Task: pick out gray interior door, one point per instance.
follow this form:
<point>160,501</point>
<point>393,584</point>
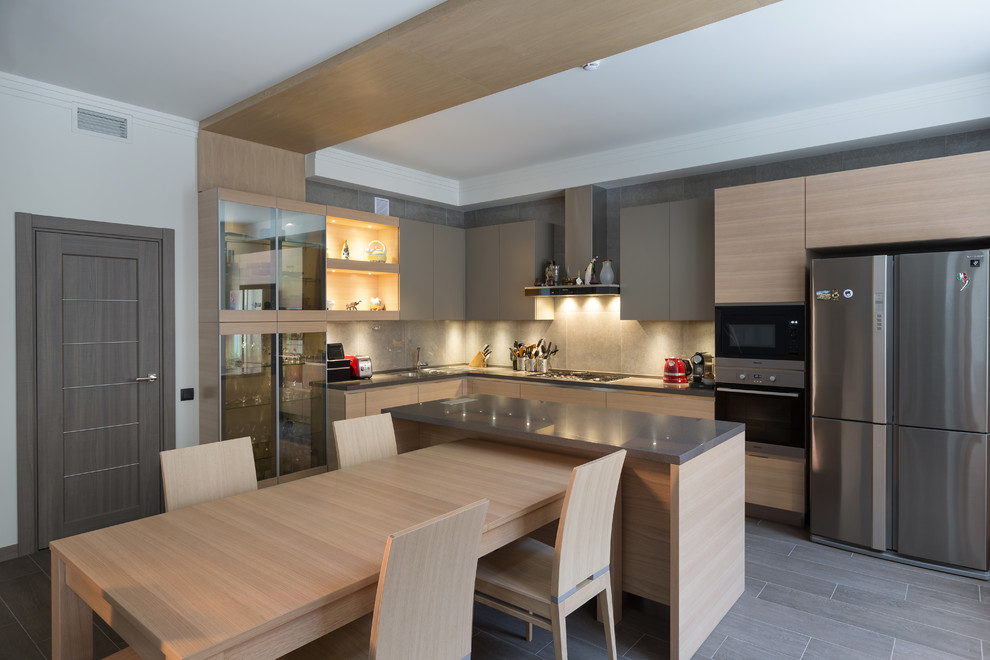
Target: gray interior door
<point>98,307</point>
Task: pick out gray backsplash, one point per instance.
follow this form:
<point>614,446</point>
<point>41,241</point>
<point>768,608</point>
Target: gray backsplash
<point>587,330</point>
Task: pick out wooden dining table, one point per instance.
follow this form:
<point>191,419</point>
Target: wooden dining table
<point>259,574</point>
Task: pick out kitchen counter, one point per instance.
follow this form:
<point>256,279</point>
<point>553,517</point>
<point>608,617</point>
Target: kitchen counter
<point>632,383</point>
<point>680,532</point>
<point>647,436</point>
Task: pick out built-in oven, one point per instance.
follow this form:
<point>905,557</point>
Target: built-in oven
<point>768,399</point>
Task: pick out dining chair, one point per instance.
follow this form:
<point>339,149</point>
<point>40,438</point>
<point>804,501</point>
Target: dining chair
<point>424,606</point>
<point>363,439</point>
<point>541,584</point>
<point>207,472</point>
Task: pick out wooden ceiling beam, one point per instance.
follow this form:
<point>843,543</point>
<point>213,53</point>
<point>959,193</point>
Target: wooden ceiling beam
<point>456,52</point>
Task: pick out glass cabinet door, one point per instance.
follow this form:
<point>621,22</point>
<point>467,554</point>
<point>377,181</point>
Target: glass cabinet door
<point>302,262</point>
<point>302,409</point>
<point>247,245</point>
<point>246,396</point>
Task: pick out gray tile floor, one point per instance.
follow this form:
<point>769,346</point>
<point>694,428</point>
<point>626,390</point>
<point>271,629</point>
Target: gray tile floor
<point>802,600</point>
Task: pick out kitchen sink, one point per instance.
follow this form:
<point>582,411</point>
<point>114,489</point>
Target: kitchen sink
<point>439,371</point>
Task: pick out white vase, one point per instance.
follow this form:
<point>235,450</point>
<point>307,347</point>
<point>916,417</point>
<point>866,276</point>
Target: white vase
<point>607,276</point>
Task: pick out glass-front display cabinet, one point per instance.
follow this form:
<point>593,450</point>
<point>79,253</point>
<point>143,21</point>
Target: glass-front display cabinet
<point>280,402</point>
<point>302,244</point>
<point>248,248</point>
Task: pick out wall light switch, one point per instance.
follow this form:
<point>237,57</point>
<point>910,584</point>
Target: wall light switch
<point>186,394</point>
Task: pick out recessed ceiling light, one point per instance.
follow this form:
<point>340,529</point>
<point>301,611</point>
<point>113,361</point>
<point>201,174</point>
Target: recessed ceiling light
<point>592,66</point>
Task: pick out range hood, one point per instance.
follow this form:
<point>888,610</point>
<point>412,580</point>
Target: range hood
<point>585,237</point>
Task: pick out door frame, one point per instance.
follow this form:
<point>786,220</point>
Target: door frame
<point>26,228</point>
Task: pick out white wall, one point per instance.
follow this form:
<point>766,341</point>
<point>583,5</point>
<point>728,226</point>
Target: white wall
<point>47,168</point>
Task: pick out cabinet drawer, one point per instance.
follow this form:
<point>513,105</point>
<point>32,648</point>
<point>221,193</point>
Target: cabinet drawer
<point>441,390</point>
<point>775,481</point>
<point>663,404</point>
<point>493,387</point>
<point>386,397</point>
<point>576,395</point>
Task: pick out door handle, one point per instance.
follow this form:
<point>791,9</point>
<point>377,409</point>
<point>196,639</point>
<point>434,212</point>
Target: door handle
<point>150,378</point>
<point>792,395</point>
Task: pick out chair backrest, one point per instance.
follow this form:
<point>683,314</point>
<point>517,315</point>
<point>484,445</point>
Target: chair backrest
<point>584,534</point>
<point>203,473</point>
<point>364,439</point>
<point>425,603</point>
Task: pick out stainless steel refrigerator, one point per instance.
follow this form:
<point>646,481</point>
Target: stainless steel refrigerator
<point>899,366</point>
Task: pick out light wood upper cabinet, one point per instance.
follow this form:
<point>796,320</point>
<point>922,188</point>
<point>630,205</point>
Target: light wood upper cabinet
<point>936,199</point>
<point>759,243</point>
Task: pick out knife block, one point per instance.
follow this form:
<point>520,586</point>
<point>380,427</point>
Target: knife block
<point>478,360</point>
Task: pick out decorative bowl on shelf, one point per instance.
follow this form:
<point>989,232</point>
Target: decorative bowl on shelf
<point>376,251</point>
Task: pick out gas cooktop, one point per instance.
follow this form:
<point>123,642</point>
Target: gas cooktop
<point>580,375</point>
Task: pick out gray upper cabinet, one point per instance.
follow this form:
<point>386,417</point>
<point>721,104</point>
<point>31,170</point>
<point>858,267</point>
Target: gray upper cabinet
<point>668,271</point>
<point>501,261</point>
<point>448,273</point>
<point>644,245</point>
<point>431,271</point>
<point>482,272</point>
<point>415,270</point>
<point>524,250</point>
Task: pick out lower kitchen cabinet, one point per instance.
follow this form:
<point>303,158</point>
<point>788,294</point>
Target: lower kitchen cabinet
<point>493,387</point>
<point>578,395</point>
<point>683,405</point>
<point>388,397</point>
<point>441,389</point>
<point>776,482</point>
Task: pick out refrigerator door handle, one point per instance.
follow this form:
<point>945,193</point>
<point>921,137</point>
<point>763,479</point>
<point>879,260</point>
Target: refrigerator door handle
<point>879,527</point>
<point>882,273</point>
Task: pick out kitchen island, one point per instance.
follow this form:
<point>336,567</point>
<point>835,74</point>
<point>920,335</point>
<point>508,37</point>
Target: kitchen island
<point>681,499</point>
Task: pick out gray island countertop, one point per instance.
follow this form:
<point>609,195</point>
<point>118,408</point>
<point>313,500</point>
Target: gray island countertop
<point>661,438</point>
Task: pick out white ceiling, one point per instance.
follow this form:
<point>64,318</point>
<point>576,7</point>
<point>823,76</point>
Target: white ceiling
<point>192,58</point>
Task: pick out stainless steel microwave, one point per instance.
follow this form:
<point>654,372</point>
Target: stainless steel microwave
<point>760,332</point>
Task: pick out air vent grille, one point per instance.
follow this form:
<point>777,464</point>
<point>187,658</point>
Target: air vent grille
<point>381,206</point>
<point>102,123</point>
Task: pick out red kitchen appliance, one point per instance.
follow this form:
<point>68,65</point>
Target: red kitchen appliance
<point>360,366</point>
<point>676,370</point>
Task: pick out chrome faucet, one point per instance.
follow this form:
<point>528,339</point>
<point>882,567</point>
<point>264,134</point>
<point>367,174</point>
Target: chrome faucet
<point>419,364</point>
